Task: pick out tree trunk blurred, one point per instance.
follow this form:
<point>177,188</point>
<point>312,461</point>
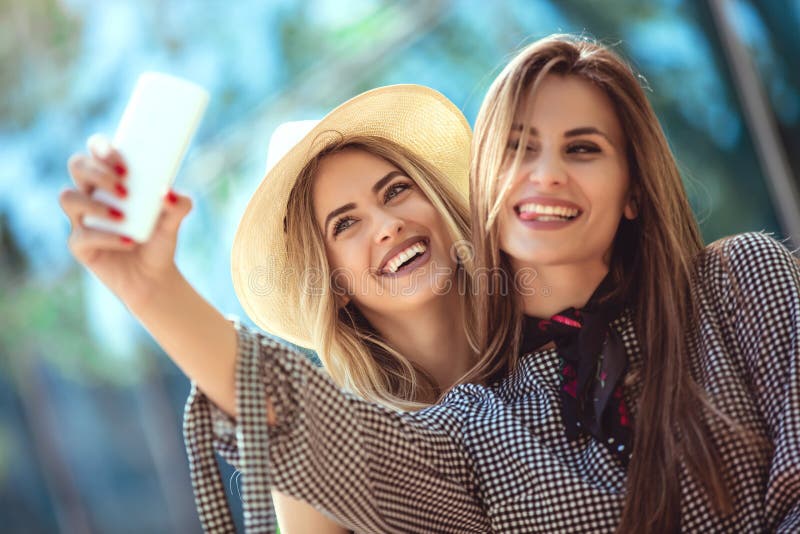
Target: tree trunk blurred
<point>68,505</point>
<point>162,432</point>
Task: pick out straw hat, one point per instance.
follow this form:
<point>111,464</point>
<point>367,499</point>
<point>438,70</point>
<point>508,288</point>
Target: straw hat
<point>418,118</point>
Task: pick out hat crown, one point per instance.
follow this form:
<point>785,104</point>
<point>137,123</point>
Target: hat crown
<point>285,137</point>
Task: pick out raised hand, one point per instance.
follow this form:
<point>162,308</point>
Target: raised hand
<point>133,271</point>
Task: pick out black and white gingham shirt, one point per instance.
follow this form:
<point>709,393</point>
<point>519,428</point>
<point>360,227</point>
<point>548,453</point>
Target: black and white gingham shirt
<point>497,458</point>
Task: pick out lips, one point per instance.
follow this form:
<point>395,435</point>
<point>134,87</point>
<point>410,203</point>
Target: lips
<point>546,213</point>
<point>544,209</point>
<point>402,253</point>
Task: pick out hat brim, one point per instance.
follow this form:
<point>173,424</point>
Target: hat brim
<point>416,117</point>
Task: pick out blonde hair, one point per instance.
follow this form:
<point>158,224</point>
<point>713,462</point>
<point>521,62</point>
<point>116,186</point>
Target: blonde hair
<point>352,351</point>
<point>652,266</point>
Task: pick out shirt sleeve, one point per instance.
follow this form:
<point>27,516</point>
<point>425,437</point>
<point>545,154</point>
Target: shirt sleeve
<point>206,428</point>
<point>371,468</point>
<point>762,297</point>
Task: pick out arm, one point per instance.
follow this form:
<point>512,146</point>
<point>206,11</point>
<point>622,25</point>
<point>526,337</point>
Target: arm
<point>144,276</point>
<point>370,468</point>
<point>196,336</point>
<point>762,298</point>
<point>355,476</point>
<point>296,516</point>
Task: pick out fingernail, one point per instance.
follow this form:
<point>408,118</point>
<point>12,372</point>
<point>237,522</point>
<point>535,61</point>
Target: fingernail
<point>115,213</point>
<point>120,169</point>
<point>122,192</point>
<point>172,197</point>
<point>101,147</point>
<point>125,239</point>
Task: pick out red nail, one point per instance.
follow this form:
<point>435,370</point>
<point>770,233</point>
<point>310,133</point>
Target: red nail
<point>172,197</point>
<point>125,239</point>
<point>121,191</point>
<point>120,169</point>
<point>115,213</point>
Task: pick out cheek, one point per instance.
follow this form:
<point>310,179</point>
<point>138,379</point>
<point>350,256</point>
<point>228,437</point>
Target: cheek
<point>417,210</point>
<point>503,227</point>
<point>343,283</point>
<point>606,188</point>
<point>620,182</point>
<point>349,266</point>
<point>341,272</point>
<point>441,233</point>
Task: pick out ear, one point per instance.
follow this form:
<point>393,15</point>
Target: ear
<point>340,299</point>
<point>631,210</point>
<point>339,289</point>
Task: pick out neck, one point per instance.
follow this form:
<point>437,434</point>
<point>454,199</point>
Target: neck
<point>431,336</point>
<point>557,287</point>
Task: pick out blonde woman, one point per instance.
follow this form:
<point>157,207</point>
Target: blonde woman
<point>667,374</point>
<point>346,248</point>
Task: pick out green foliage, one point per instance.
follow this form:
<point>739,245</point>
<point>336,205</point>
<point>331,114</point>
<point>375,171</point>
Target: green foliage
<point>38,40</point>
<point>48,320</point>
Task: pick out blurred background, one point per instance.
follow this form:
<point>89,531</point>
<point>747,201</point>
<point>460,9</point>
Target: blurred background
<point>90,408</point>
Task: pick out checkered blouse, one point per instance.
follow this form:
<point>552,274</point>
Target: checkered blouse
<point>497,458</point>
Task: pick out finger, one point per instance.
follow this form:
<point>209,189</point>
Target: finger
<point>89,173</point>
<point>76,205</point>
<point>100,147</point>
<point>176,207</point>
<point>85,243</point>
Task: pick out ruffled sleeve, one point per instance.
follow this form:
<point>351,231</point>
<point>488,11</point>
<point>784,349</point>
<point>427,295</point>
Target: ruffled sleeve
<point>371,468</point>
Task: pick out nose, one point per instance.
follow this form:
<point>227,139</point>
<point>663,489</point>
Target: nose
<point>389,227</point>
<point>547,172</point>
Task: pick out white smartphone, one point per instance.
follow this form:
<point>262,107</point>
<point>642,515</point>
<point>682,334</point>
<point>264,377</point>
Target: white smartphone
<point>153,136</point>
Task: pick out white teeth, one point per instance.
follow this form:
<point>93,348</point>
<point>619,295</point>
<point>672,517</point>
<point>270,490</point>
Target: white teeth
<point>541,209</point>
<point>393,264</point>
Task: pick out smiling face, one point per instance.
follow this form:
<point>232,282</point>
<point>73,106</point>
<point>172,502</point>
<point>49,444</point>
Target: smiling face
<point>571,190</point>
<point>386,244</point>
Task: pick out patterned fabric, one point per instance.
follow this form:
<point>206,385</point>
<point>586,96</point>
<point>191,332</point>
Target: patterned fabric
<point>498,458</point>
<point>593,364</point>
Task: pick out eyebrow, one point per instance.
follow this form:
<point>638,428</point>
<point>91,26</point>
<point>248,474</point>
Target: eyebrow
<point>575,132</point>
<point>338,211</point>
<point>383,181</point>
<point>377,186</point>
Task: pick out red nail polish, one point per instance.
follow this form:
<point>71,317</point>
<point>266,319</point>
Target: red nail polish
<point>115,213</point>
<point>120,169</point>
<point>121,191</point>
<point>125,239</point>
<point>172,197</point>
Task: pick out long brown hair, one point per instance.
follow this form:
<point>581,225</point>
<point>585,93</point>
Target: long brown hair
<point>652,265</point>
<point>352,351</point>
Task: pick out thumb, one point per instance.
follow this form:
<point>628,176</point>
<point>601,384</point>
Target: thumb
<point>176,208</point>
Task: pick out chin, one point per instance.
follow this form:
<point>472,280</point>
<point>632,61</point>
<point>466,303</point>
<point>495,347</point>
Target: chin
<point>539,256</point>
<point>403,301</point>
<point>426,289</point>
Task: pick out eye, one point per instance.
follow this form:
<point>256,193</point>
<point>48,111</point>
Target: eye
<point>394,190</point>
<point>583,148</point>
<point>513,144</point>
<point>342,224</point>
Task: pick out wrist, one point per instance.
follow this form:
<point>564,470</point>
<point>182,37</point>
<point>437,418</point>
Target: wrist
<point>164,289</point>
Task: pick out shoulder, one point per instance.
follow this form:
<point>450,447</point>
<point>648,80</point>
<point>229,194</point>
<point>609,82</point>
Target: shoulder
<point>468,394</point>
<point>749,248</point>
<point>750,283</point>
<point>751,279</point>
<point>751,260</point>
